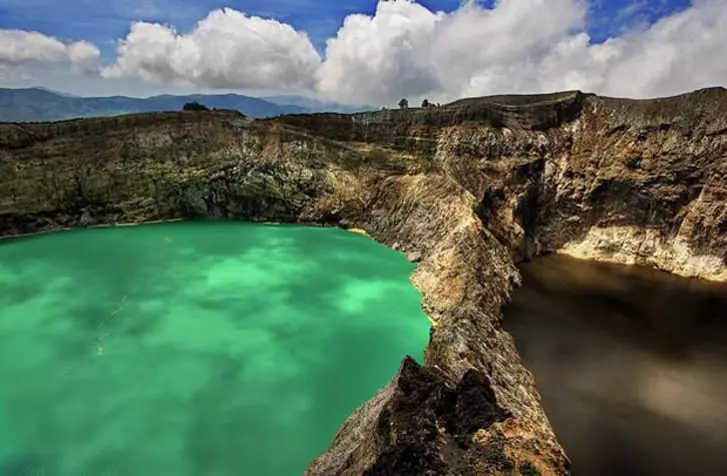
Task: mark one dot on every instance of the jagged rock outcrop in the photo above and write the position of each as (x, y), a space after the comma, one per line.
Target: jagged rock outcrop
(466, 191)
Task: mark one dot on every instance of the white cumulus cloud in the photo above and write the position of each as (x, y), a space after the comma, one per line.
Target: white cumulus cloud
(518, 46)
(376, 58)
(405, 49)
(227, 49)
(678, 53)
(19, 48)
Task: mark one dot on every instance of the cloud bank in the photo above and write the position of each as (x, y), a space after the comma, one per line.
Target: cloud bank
(405, 50)
(19, 48)
(519, 46)
(227, 49)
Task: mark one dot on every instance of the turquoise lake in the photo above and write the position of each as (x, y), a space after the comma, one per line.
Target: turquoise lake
(201, 348)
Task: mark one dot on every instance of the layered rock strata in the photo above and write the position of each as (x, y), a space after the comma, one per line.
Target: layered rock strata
(466, 191)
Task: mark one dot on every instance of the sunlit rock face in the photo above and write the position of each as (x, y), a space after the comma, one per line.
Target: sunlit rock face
(466, 191)
(646, 247)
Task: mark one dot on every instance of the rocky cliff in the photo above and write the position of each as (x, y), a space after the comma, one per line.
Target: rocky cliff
(466, 191)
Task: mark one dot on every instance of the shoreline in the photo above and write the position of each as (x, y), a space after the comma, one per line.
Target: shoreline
(359, 231)
(715, 278)
(102, 225)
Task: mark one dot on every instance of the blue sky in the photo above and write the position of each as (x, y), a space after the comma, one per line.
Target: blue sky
(395, 48)
(102, 22)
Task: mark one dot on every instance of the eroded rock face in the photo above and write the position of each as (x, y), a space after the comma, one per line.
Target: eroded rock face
(466, 191)
(427, 427)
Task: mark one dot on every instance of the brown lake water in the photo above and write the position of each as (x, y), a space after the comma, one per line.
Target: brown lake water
(631, 365)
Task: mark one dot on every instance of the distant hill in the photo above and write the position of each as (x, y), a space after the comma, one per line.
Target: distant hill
(313, 105)
(37, 104)
(60, 93)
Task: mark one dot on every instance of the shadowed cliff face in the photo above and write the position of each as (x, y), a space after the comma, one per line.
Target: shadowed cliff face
(465, 190)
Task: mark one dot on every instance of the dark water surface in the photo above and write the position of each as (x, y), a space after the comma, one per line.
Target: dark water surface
(194, 348)
(631, 365)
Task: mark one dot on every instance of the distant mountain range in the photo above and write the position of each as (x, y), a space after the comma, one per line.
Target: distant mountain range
(40, 104)
(313, 105)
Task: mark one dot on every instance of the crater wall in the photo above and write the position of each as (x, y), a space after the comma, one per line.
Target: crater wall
(466, 191)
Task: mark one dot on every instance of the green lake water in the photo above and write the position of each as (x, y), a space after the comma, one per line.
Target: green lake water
(194, 348)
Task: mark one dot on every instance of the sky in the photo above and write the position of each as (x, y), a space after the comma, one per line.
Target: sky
(364, 51)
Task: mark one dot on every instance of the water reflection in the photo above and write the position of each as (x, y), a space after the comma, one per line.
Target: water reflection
(631, 365)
